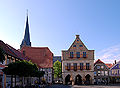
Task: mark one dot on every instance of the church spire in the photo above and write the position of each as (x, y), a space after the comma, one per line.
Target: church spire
(26, 40)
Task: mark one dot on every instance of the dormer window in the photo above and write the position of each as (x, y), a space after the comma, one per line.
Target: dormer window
(80, 45)
(74, 45)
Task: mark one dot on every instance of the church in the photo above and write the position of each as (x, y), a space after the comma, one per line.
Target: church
(42, 56)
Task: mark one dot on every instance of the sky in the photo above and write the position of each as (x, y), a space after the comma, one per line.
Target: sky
(54, 24)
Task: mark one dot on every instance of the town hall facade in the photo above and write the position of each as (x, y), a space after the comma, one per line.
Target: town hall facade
(78, 64)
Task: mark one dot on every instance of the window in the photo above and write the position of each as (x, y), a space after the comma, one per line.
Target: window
(80, 45)
(102, 72)
(49, 69)
(24, 53)
(75, 66)
(112, 72)
(87, 66)
(95, 73)
(116, 72)
(78, 54)
(102, 67)
(98, 79)
(74, 45)
(98, 73)
(8, 61)
(84, 54)
(98, 67)
(106, 73)
(68, 66)
(77, 40)
(81, 66)
(71, 54)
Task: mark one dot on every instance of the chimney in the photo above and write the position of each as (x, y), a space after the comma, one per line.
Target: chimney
(77, 36)
(115, 61)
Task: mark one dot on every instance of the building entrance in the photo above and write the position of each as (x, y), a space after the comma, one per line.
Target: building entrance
(78, 80)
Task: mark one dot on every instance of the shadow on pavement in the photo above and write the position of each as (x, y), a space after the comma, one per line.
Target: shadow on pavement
(58, 86)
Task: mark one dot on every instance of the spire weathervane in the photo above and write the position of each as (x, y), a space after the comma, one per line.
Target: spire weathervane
(27, 12)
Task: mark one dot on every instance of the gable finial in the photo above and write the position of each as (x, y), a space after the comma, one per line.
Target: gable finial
(77, 36)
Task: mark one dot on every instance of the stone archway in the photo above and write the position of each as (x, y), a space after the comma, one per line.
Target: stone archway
(67, 80)
(87, 79)
(78, 80)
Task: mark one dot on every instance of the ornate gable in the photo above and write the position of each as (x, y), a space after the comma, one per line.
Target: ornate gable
(77, 45)
(116, 66)
(99, 61)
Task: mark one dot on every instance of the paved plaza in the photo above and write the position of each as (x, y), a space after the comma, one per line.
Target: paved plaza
(93, 86)
(82, 86)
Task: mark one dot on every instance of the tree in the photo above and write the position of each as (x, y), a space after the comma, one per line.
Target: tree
(57, 69)
(23, 69)
(2, 57)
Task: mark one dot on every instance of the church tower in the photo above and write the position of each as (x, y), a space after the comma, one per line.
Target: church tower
(26, 40)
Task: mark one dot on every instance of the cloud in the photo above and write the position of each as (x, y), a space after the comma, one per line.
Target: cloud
(110, 54)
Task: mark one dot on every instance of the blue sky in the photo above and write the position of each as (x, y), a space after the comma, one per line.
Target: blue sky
(54, 23)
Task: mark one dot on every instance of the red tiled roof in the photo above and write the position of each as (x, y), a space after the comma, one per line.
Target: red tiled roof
(17, 53)
(98, 61)
(109, 65)
(42, 56)
(12, 51)
(6, 49)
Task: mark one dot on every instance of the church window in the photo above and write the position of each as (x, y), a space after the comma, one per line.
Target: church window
(78, 54)
(71, 54)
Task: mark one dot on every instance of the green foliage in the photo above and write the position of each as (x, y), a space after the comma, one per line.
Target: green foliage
(22, 68)
(57, 69)
(2, 57)
(38, 73)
